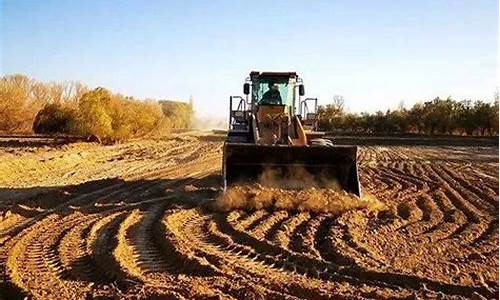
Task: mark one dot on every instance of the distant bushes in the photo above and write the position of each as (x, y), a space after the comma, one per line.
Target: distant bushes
(439, 116)
(55, 118)
(20, 100)
(179, 114)
(71, 108)
(115, 117)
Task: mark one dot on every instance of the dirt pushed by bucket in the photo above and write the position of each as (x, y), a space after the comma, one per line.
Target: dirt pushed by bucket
(295, 190)
(257, 196)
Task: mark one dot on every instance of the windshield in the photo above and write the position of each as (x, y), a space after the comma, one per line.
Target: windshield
(273, 91)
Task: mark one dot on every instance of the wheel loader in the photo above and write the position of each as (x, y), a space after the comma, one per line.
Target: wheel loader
(273, 139)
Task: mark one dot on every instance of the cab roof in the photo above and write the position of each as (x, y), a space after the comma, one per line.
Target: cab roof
(288, 74)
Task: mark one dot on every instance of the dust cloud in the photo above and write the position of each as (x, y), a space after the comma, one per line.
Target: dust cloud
(257, 196)
(296, 178)
(296, 190)
(207, 123)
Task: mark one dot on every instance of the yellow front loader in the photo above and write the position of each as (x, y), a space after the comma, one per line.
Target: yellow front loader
(272, 139)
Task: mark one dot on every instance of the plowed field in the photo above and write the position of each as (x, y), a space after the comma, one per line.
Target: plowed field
(135, 220)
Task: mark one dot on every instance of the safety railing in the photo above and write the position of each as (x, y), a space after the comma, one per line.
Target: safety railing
(307, 110)
(238, 117)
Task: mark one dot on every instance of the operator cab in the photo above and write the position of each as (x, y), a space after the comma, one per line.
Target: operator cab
(274, 89)
(268, 95)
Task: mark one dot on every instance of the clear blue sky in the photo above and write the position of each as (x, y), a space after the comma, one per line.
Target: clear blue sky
(374, 53)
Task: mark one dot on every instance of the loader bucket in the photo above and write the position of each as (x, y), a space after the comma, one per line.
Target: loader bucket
(246, 163)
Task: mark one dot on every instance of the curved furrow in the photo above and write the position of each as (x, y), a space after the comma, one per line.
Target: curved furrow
(471, 226)
(476, 204)
(73, 251)
(34, 263)
(303, 239)
(491, 230)
(287, 229)
(289, 273)
(243, 263)
(264, 247)
(394, 186)
(456, 195)
(251, 220)
(405, 188)
(76, 201)
(135, 251)
(193, 231)
(354, 274)
(479, 197)
(454, 221)
(101, 242)
(406, 173)
(409, 211)
(347, 236)
(432, 215)
(269, 253)
(489, 237)
(331, 246)
(268, 225)
(181, 252)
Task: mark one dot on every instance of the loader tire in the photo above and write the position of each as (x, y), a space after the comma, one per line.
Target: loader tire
(322, 142)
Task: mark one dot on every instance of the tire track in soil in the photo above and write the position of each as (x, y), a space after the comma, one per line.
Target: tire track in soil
(133, 239)
(354, 275)
(282, 236)
(34, 263)
(251, 261)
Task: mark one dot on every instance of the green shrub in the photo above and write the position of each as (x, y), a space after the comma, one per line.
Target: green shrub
(115, 117)
(93, 114)
(439, 116)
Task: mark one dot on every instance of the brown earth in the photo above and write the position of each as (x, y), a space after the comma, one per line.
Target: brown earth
(136, 220)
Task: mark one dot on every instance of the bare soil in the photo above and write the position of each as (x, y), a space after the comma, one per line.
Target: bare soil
(137, 220)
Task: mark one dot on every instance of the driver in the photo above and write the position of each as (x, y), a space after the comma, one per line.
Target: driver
(272, 96)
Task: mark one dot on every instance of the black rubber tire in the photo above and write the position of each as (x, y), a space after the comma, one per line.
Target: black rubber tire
(322, 142)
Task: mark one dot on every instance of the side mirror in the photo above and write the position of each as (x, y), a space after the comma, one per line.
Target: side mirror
(302, 91)
(246, 88)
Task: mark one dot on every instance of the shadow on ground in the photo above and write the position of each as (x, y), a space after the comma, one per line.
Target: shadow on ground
(102, 194)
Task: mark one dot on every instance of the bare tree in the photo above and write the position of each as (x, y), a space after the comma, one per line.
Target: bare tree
(338, 102)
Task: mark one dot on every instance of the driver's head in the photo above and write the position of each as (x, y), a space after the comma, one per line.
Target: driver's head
(272, 85)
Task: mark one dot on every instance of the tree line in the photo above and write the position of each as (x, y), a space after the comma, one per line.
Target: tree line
(438, 116)
(30, 106)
